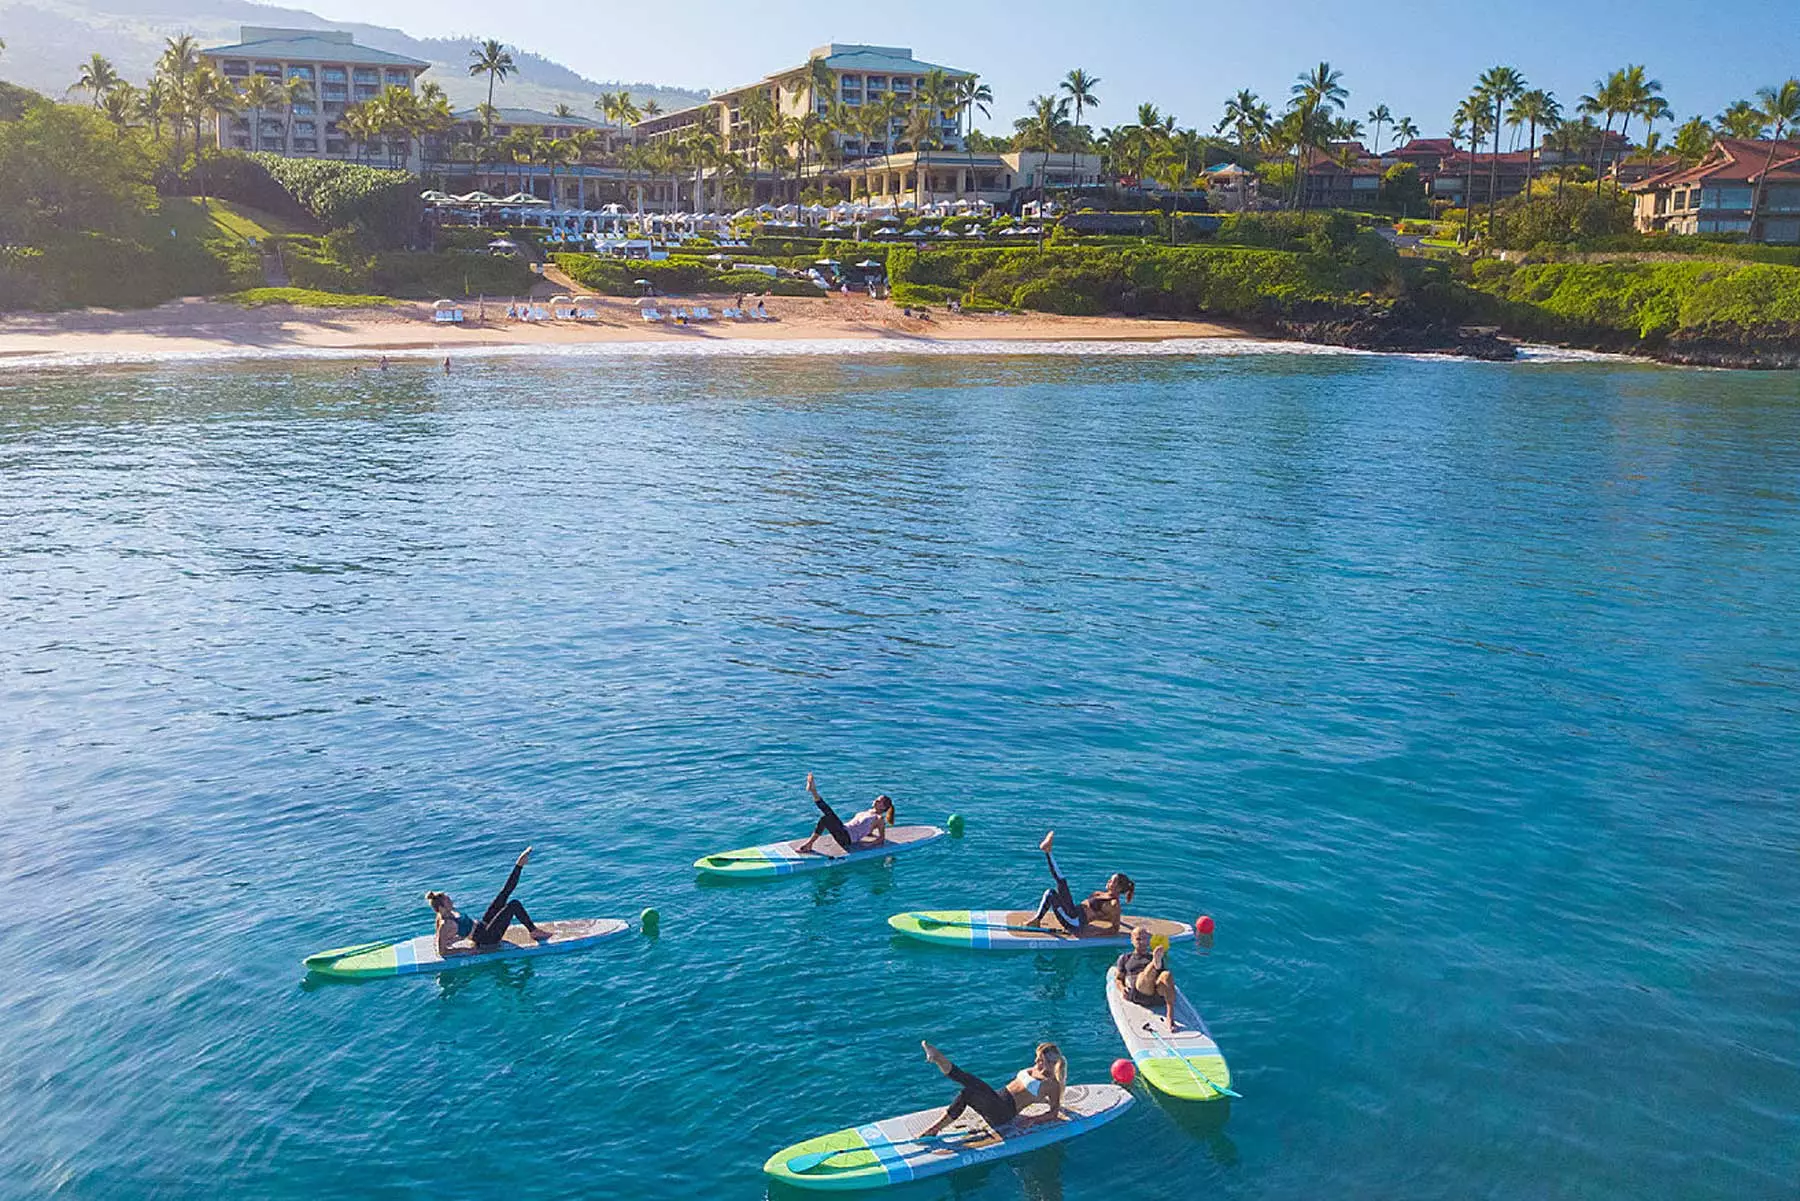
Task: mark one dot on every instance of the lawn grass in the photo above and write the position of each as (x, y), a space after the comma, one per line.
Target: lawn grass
(256, 298)
(217, 219)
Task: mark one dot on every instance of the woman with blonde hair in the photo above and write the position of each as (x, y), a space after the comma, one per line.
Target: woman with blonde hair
(1043, 1081)
(484, 935)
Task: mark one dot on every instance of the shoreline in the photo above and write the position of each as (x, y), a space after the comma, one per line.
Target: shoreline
(204, 329)
(196, 330)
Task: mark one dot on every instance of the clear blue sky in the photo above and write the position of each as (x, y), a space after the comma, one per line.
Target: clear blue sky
(1419, 58)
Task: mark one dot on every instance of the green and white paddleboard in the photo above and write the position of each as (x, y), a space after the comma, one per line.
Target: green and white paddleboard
(889, 1151)
(786, 858)
(1005, 930)
(1186, 1064)
(420, 954)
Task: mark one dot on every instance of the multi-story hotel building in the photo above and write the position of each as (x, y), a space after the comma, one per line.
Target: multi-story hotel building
(1714, 195)
(332, 72)
(860, 76)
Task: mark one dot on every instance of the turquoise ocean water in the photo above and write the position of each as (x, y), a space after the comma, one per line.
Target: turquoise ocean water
(1462, 696)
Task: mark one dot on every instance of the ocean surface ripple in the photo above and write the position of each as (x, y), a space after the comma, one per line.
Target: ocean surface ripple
(1463, 696)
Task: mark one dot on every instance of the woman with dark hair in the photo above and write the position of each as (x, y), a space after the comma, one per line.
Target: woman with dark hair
(872, 823)
(484, 935)
(1043, 1081)
(1101, 909)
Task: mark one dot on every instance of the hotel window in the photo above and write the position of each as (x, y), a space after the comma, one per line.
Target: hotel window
(334, 75)
(1782, 199)
(301, 72)
(403, 78)
(236, 68)
(306, 146)
(1725, 198)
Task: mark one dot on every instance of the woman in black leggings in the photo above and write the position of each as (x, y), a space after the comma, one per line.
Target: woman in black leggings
(1042, 1081)
(872, 823)
(1103, 908)
(453, 927)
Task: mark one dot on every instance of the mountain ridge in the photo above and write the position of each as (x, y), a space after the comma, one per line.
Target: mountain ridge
(47, 41)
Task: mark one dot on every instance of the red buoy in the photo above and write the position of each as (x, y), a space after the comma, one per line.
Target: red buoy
(1203, 925)
(1124, 1072)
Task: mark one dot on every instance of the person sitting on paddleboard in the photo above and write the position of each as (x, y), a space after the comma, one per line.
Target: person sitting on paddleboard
(1144, 976)
(1101, 909)
(483, 935)
(871, 824)
(1042, 1081)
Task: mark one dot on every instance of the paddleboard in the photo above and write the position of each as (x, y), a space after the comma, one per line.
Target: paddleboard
(1005, 930)
(786, 858)
(421, 954)
(1186, 1064)
(887, 1152)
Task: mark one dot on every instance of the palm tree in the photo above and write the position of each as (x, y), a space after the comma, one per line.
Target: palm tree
(1043, 129)
(180, 56)
(120, 105)
(1655, 109)
(971, 94)
(1314, 91)
(922, 126)
(1498, 86)
(1781, 109)
(1534, 108)
(1347, 129)
(259, 92)
(1178, 159)
(1079, 86)
(299, 91)
(1741, 119)
(1471, 117)
(151, 104)
(1405, 131)
(1245, 114)
(213, 96)
(1378, 116)
(493, 60)
(1605, 100)
(98, 78)
(1692, 140)
(1635, 94)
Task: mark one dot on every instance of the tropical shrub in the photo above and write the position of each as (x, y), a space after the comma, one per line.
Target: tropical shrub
(383, 204)
(1644, 302)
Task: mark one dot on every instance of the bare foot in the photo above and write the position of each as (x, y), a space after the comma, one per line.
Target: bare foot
(935, 1057)
(541, 934)
(1049, 840)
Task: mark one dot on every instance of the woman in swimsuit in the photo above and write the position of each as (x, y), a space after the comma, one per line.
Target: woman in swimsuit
(484, 935)
(1042, 1081)
(872, 823)
(1104, 908)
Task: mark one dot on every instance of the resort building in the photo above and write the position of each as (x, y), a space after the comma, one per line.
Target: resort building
(860, 79)
(1345, 175)
(324, 72)
(939, 176)
(1714, 196)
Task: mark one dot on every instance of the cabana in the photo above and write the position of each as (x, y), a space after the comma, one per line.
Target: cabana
(447, 312)
(587, 307)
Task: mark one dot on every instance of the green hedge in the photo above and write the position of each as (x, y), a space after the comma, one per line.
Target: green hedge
(1227, 282)
(384, 205)
(1647, 302)
(99, 269)
(616, 277)
(339, 262)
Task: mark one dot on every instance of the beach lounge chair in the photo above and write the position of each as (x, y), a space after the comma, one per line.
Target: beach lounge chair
(763, 314)
(682, 315)
(730, 314)
(702, 313)
(651, 315)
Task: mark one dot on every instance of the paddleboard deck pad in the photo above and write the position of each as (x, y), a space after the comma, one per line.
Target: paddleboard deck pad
(1185, 1064)
(786, 858)
(887, 1152)
(420, 954)
(1005, 930)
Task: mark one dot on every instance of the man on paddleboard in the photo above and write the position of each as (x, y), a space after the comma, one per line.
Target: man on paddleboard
(1145, 977)
(871, 824)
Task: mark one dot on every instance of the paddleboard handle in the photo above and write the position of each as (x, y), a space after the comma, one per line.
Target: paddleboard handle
(953, 825)
(650, 922)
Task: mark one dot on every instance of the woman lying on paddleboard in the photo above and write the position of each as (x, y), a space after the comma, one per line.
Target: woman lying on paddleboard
(1101, 909)
(484, 935)
(1042, 1081)
(871, 824)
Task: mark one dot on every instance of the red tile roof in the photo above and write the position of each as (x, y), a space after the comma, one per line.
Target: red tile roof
(1732, 160)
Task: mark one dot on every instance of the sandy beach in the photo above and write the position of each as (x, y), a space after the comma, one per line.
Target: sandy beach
(199, 327)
